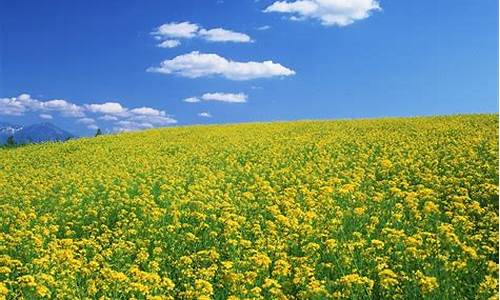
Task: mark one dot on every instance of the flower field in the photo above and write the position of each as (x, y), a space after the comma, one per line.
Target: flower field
(403, 208)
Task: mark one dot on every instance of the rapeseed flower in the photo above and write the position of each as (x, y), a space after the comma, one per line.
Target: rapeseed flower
(362, 209)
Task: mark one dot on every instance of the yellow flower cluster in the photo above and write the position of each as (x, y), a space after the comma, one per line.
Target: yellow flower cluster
(367, 209)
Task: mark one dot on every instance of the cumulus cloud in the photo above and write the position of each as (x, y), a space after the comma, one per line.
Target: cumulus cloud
(205, 115)
(223, 35)
(86, 121)
(221, 97)
(177, 30)
(18, 106)
(192, 100)
(170, 33)
(65, 108)
(108, 118)
(147, 111)
(110, 108)
(169, 44)
(139, 122)
(196, 64)
(123, 126)
(155, 121)
(125, 119)
(225, 97)
(328, 12)
(11, 107)
(265, 27)
(121, 117)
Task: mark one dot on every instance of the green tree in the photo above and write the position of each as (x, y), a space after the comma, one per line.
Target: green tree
(99, 132)
(10, 141)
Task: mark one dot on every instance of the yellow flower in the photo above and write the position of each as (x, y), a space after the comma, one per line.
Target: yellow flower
(261, 260)
(204, 287)
(196, 212)
(488, 285)
(359, 211)
(256, 290)
(330, 244)
(4, 291)
(388, 278)
(492, 267)
(42, 291)
(27, 281)
(386, 164)
(355, 279)
(378, 244)
(430, 207)
(168, 284)
(310, 248)
(281, 268)
(427, 283)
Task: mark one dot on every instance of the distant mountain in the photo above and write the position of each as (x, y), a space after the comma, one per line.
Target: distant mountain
(37, 133)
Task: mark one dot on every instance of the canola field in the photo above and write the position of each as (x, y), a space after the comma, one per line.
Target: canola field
(403, 208)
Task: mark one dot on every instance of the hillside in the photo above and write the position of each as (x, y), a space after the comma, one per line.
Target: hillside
(404, 207)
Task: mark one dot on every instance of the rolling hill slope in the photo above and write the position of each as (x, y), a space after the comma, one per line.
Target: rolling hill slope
(404, 207)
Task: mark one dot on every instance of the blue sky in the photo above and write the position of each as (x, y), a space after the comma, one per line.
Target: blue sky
(369, 59)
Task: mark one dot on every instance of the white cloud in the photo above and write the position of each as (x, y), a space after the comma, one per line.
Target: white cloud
(120, 116)
(205, 115)
(143, 122)
(46, 116)
(328, 12)
(125, 119)
(170, 33)
(196, 64)
(147, 111)
(225, 97)
(28, 102)
(169, 44)
(65, 108)
(177, 30)
(192, 100)
(223, 35)
(17, 106)
(156, 121)
(110, 108)
(56, 104)
(11, 107)
(24, 97)
(265, 27)
(123, 126)
(108, 118)
(86, 121)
